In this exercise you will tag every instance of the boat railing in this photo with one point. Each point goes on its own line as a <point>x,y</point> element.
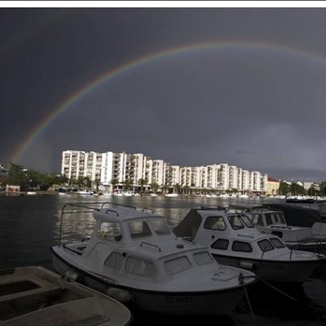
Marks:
<point>111,210</point>
<point>280,227</point>
<point>86,207</point>
<point>151,245</point>
<point>115,204</point>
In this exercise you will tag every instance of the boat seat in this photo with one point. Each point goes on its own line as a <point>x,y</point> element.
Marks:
<point>85,312</point>
<point>32,292</point>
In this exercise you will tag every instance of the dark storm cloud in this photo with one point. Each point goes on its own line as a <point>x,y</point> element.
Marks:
<point>257,107</point>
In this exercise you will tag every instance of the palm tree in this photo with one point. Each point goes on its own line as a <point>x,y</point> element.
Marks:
<point>177,188</point>
<point>142,183</point>
<point>97,183</point>
<point>186,189</point>
<point>114,183</point>
<point>154,186</point>
<point>127,184</point>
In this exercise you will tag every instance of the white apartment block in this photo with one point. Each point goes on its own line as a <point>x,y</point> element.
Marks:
<point>245,180</point>
<point>110,166</point>
<point>107,168</point>
<point>172,175</point>
<point>155,172</point>
<point>77,164</point>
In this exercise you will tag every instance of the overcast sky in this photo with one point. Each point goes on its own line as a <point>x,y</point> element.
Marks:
<point>193,87</point>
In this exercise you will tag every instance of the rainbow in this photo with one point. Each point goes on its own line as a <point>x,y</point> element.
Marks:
<point>128,67</point>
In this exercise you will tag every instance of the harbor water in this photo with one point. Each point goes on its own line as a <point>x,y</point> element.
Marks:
<point>30,225</point>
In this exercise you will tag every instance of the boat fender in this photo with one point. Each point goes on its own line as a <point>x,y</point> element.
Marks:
<point>246,265</point>
<point>72,276</point>
<point>120,295</point>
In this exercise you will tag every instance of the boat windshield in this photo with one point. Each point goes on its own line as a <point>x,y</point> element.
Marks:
<point>268,218</point>
<point>277,243</point>
<point>139,229</point>
<point>277,218</point>
<point>238,222</point>
<point>246,220</point>
<point>215,223</point>
<point>109,231</point>
<point>159,226</point>
<point>265,245</point>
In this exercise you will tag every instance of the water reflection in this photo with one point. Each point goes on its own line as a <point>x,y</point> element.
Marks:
<point>30,225</point>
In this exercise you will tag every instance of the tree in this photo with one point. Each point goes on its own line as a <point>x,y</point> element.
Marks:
<point>322,188</point>
<point>177,188</point>
<point>84,182</point>
<point>284,188</point>
<point>128,183</point>
<point>154,186</point>
<point>114,183</point>
<point>142,183</point>
<point>17,176</point>
<point>97,183</point>
<point>297,189</point>
<point>186,189</point>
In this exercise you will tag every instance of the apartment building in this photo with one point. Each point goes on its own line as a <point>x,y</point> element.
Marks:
<point>155,172</point>
<point>124,167</point>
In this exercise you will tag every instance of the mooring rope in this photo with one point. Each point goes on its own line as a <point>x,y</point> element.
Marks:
<point>241,280</point>
<point>289,296</point>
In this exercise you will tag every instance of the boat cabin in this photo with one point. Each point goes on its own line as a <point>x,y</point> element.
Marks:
<point>272,221</point>
<point>138,245</point>
<point>227,231</point>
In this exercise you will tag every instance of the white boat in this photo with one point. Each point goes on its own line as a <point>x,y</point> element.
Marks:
<point>272,221</point>
<point>172,194</point>
<point>33,295</point>
<point>85,192</point>
<point>133,255</point>
<point>234,240</point>
<point>123,193</point>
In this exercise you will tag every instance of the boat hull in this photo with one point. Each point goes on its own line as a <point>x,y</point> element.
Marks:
<point>272,271</point>
<point>32,295</point>
<point>221,302</point>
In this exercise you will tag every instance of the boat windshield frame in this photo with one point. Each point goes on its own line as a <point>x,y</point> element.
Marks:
<point>240,221</point>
